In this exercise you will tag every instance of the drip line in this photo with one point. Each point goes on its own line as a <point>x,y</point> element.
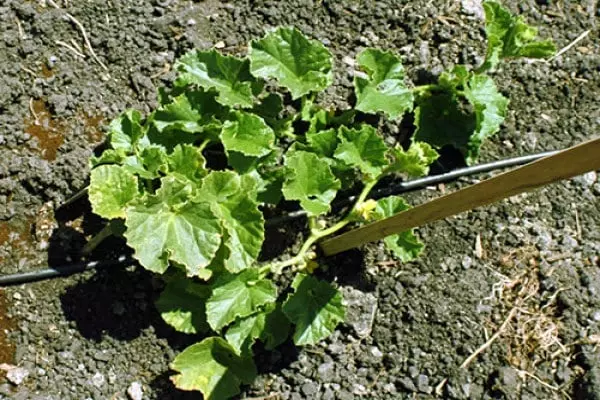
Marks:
<point>392,189</point>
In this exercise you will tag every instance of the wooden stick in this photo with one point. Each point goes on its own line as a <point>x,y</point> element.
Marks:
<point>565,164</point>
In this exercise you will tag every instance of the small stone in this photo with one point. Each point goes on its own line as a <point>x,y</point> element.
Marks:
<point>326,371</point>
<point>359,390</point>
<point>219,45</point>
<point>413,371</point>
<point>17,375</point>
<point>423,384</point>
<point>310,389</point>
<point>596,316</point>
<point>101,356</point>
<point>407,384</point>
<point>360,310</point>
<point>473,7</point>
<point>389,388</point>
<point>508,377</point>
<point>348,61</point>
<point>588,179</point>
<point>17,296</point>
<point>375,352</point>
<point>135,391</point>
<point>569,242</point>
<point>467,262</point>
<point>98,380</point>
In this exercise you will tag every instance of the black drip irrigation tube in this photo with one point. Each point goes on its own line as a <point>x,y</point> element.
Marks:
<point>397,188</point>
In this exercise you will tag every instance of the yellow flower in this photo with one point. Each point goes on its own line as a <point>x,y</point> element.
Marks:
<point>365,209</point>
<point>311,266</point>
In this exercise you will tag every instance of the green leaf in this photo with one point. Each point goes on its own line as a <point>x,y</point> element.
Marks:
<point>454,79</point>
<point>238,296</point>
<point>310,181</point>
<point>277,328</point>
<point>126,131</point>
<point>154,160</point>
<point>404,245</point>
<point>270,325</point>
<point>384,89</point>
<point>170,227</point>
<point>213,368</point>
<point>229,75</point>
<point>111,189</point>
<point>181,305</point>
<point>490,110</point>
<point>443,119</point>
<point>194,111</point>
<point>239,215</point>
<point>244,332</point>
<point>187,161</point>
<point>247,134</point>
<point>315,308</point>
<point>323,142</point>
<point>415,161</point>
<point>298,63</point>
<point>362,148</point>
<point>509,36</point>
<point>108,156</point>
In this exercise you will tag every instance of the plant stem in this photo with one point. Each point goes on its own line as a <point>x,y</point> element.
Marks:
<point>204,144</point>
<point>425,88</point>
<point>316,234</point>
<point>97,239</point>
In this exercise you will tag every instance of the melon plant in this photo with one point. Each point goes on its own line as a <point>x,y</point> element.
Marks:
<point>187,184</point>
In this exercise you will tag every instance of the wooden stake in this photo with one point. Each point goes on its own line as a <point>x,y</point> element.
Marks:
<point>574,161</point>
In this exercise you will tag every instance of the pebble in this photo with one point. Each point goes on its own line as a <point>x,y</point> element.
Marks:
<point>98,380</point>
<point>375,352</point>
<point>423,384</point>
<point>326,371</point>
<point>407,384</point>
<point>17,375</point>
<point>310,389</point>
<point>135,391</point>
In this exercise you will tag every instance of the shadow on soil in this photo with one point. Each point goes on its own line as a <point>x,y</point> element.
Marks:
<point>119,301</point>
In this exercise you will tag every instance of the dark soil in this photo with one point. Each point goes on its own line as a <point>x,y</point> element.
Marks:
<point>410,326</point>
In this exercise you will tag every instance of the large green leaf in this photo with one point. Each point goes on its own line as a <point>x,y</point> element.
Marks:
<point>181,305</point>
<point>362,148</point>
<point>194,111</point>
<point>298,63</point>
<point>242,334</point>
<point>247,134</point>
<point>170,227</point>
<point>405,245</point>
<point>229,75</point>
<point>111,188</point>
<point>323,142</point>
<point>238,296</point>
<point>213,368</point>
<point>415,161</point>
<point>310,181</point>
<point>490,110</point>
<point>442,119</point>
<point>384,89</point>
<point>239,214</point>
<point>509,36</point>
<point>187,161</point>
<point>125,131</point>
<point>270,325</point>
<point>154,161</point>
<point>315,308</point>
<point>277,328</point>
